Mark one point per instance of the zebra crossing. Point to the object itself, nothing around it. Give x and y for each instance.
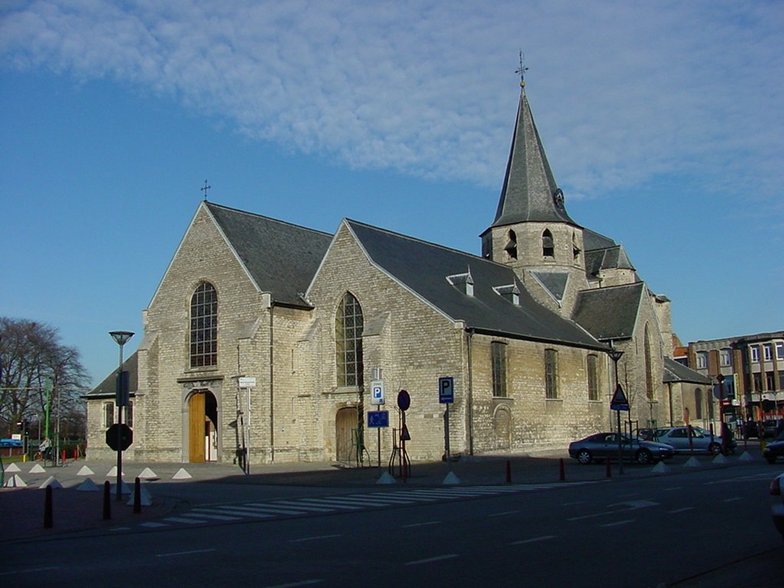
(298, 507)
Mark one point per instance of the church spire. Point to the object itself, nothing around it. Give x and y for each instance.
(530, 193)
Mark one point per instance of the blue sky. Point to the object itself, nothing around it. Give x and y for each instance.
(663, 122)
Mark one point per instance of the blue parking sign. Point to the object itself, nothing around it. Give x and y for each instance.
(446, 390)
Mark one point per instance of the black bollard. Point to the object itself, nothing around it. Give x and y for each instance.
(48, 520)
(107, 505)
(137, 496)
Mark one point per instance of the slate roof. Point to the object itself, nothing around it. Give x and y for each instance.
(529, 190)
(423, 268)
(108, 387)
(609, 313)
(677, 372)
(281, 257)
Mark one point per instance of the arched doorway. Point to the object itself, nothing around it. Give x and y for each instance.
(202, 427)
(345, 430)
(502, 428)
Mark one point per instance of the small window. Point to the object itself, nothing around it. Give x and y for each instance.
(107, 419)
(548, 247)
(129, 414)
(726, 357)
(767, 351)
(551, 374)
(593, 378)
(511, 245)
(754, 353)
(498, 356)
(779, 350)
(702, 360)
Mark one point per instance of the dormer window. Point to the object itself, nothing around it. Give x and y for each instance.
(548, 248)
(463, 282)
(510, 293)
(511, 245)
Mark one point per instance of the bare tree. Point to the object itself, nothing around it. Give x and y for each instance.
(35, 369)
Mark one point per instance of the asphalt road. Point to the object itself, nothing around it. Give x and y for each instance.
(704, 528)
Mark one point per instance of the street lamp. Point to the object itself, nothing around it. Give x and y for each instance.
(722, 426)
(121, 338)
(615, 355)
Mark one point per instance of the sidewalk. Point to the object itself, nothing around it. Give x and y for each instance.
(76, 510)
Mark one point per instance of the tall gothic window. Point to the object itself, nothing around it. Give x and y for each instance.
(204, 326)
(550, 374)
(649, 385)
(593, 378)
(348, 342)
(698, 404)
(548, 247)
(498, 357)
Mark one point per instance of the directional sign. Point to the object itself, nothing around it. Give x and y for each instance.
(377, 392)
(446, 390)
(619, 400)
(247, 382)
(378, 418)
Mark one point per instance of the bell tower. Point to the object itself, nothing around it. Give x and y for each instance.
(532, 232)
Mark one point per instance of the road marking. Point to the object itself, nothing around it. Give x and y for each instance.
(314, 538)
(632, 505)
(153, 525)
(178, 553)
(680, 510)
(184, 520)
(199, 512)
(503, 514)
(732, 499)
(425, 524)
(29, 570)
(295, 584)
(575, 503)
(672, 489)
(618, 523)
(533, 540)
(431, 559)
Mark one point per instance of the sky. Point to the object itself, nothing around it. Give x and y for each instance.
(663, 123)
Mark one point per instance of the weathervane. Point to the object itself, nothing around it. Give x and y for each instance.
(521, 70)
(205, 188)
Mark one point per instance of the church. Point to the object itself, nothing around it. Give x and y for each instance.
(267, 341)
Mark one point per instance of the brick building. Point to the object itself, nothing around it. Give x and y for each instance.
(263, 337)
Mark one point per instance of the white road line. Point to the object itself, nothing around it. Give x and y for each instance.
(247, 513)
(326, 502)
(425, 524)
(431, 559)
(314, 538)
(680, 510)
(178, 553)
(29, 570)
(533, 540)
(308, 507)
(185, 520)
(735, 499)
(270, 508)
(673, 488)
(153, 525)
(213, 517)
(503, 514)
(575, 503)
(114, 529)
(618, 523)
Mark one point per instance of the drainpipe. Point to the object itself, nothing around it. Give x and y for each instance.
(470, 408)
(272, 380)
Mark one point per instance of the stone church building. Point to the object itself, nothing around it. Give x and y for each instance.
(264, 338)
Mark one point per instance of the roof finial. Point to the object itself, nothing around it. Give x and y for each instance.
(521, 70)
(205, 188)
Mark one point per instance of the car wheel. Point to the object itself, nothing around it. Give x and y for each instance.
(714, 448)
(644, 457)
(584, 456)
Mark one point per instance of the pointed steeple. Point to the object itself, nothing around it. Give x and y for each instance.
(530, 193)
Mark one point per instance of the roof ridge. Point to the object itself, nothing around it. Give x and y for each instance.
(265, 217)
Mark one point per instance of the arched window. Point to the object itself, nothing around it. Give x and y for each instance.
(593, 378)
(204, 326)
(511, 245)
(698, 404)
(348, 342)
(548, 248)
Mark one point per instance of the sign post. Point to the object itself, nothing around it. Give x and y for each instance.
(446, 395)
(618, 403)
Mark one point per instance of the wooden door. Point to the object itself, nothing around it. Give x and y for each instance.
(196, 406)
(345, 425)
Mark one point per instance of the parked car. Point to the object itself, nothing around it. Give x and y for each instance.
(777, 506)
(701, 441)
(770, 428)
(774, 449)
(601, 446)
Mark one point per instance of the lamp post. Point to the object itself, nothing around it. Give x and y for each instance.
(121, 338)
(722, 430)
(615, 355)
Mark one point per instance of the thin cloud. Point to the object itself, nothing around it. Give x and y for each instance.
(622, 91)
